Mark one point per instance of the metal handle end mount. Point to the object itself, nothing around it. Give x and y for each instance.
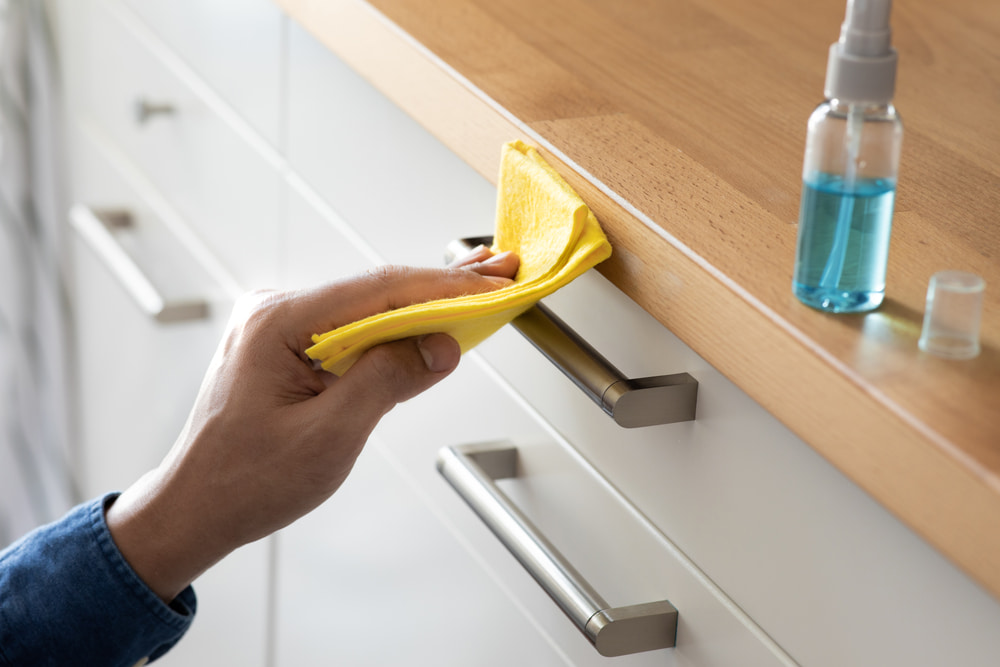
(471, 471)
(144, 110)
(95, 226)
(631, 402)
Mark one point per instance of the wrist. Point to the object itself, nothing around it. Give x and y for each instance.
(157, 539)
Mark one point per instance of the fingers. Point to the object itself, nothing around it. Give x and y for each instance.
(477, 254)
(387, 288)
(385, 376)
(504, 264)
(482, 260)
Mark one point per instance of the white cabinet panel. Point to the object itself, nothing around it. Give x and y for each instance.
(235, 45)
(136, 380)
(317, 250)
(232, 626)
(625, 560)
(400, 188)
(137, 377)
(224, 184)
(194, 188)
(825, 570)
(373, 578)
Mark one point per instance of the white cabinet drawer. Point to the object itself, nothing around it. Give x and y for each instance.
(320, 247)
(372, 578)
(210, 169)
(137, 379)
(826, 572)
(614, 548)
(138, 376)
(619, 552)
(401, 189)
(235, 45)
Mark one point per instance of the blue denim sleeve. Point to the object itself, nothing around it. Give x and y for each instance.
(68, 597)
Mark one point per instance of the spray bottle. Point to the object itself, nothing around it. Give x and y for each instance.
(850, 169)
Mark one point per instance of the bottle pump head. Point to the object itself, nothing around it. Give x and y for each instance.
(862, 63)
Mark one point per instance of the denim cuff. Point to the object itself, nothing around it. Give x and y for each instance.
(67, 596)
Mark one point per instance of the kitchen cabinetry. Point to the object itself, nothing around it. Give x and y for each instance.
(274, 162)
(136, 376)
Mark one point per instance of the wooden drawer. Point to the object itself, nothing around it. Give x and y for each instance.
(404, 193)
(234, 45)
(214, 171)
(823, 569)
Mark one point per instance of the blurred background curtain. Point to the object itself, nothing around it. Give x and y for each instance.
(35, 478)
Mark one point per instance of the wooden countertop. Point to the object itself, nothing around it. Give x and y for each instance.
(682, 124)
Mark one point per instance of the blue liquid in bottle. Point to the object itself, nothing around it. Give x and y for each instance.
(843, 243)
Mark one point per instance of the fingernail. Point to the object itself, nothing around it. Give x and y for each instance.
(470, 257)
(438, 352)
(496, 259)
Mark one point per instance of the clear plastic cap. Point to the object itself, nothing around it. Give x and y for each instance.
(952, 315)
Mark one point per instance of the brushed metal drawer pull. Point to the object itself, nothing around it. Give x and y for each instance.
(145, 110)
(95, 227)
(631, 402)
(471, 471)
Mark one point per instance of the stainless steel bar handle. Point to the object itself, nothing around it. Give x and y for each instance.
(471, 471)
(631, 402)
(95, 227)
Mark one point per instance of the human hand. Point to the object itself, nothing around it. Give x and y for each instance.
(270, 436)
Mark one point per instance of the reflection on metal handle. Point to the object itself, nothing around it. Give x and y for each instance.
(471, 470)
(94, 226)
(631, 402)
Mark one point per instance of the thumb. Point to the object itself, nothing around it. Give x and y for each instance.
(391, 373)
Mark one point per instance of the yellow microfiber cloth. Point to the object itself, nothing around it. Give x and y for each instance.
(540, 218)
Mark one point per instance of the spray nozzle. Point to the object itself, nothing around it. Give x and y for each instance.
(862, 64)
(866, 31)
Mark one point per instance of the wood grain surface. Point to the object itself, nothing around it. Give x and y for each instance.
(682, 124)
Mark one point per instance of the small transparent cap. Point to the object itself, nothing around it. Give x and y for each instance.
(952, 315)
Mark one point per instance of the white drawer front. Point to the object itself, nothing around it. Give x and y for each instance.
(203, 163)
(136, 382)
(138, 377)
(320, 247)
(235, 45)
(622, 556)
(825, 570)
(401, 189)
(372, 577)
(615, 550)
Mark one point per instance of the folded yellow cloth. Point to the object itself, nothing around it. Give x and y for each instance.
(540, 218)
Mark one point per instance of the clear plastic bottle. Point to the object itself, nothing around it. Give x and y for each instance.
(850, 170)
